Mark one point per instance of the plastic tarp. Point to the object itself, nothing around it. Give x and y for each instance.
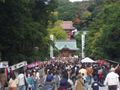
(87, 60)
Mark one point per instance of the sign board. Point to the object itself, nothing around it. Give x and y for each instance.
(19, 65)
(3, 64)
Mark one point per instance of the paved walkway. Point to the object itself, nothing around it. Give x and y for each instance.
(101, 88)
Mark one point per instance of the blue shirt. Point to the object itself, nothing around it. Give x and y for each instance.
(30, 81)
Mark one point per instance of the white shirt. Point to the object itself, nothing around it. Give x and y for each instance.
(21, 80)
(112, 79)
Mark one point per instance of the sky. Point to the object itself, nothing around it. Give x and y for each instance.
(75, 0)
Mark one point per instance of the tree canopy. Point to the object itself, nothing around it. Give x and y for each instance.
(23, 26)
(57, 31)
(103, 39)
(67, 10)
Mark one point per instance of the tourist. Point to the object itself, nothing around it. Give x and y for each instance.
(95, 85)
(21, 81)
(112, 80)
(13, 82)
(49, 83)
(30, 82)
(79, 84)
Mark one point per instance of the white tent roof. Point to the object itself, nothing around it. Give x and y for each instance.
(87, 60)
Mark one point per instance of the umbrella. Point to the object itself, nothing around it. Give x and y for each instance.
(87, 60)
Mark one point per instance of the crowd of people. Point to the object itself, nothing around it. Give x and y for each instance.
(65, 75)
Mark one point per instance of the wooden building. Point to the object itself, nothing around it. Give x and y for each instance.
(68, 27)
(67, 48)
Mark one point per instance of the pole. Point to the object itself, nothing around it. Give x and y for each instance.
(51, 47)
(83, 43)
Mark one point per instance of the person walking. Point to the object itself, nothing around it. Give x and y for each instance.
(79, 84)
(30, 82)
(112, 80)
(3, 81)
(57, 79)
(13, 82)
(49, 83)
(89, 74)
(21, 81)
(63, 84)
(95, 85)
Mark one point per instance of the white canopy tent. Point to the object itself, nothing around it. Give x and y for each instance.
(87, 60)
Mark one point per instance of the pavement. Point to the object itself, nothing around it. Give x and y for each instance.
(101, 88)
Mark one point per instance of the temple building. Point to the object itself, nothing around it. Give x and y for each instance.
(68, 28)
(67, 48)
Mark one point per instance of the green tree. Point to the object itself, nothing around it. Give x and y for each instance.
(67, 10)
(23, 26)
(103, 38)
(57, 31)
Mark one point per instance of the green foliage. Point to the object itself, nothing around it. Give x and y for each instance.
(23, 26)
(104, 36)
(2, 1)
(67, 10)
(85, 15)
(57, 31)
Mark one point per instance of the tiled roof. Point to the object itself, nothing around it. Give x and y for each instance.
(70, 44)
(67, 25)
